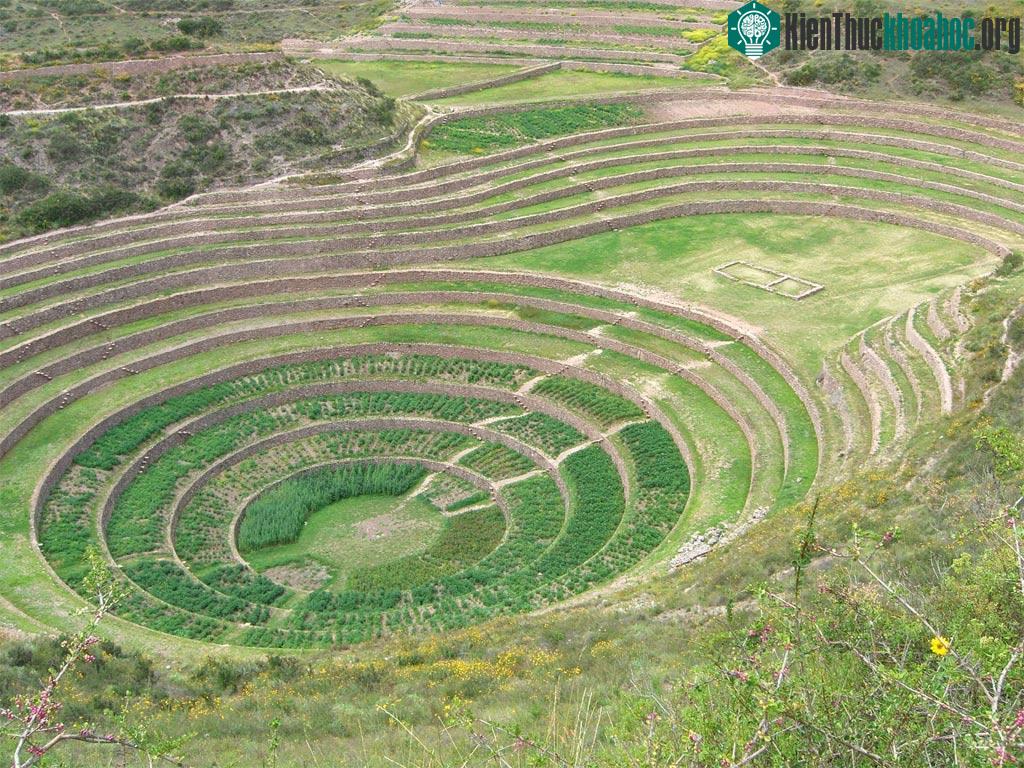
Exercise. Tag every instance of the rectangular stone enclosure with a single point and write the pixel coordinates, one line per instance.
(780, 283)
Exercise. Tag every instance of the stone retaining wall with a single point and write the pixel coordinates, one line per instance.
(355, 281)
(382, 250)
(877, 366)
(854, 371)
(570, 35)
(808, 123)
(934, 362)
(895, 351)
(444, 48)
(162, 237)
(658, 70)
(584, 18)
(479, 85)
(199, 234)
(319, 326)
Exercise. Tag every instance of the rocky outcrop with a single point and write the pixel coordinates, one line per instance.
(700, 545)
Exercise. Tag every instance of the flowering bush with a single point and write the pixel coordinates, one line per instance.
(33, 724)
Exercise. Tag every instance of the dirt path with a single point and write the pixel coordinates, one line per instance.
(322, 86)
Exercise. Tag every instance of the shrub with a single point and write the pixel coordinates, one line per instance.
(64, 208)
(202, 26)
(64, 147)
(14, 178)
(197, 129)
(1010, 264)
(174, 43)
(177, 180)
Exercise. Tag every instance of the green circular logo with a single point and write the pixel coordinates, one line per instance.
(754, 29)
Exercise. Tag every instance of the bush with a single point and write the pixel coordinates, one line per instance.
(835, 70)
(177, 180)
(61, 209)
(14, 178)
(63, 147)
(197, 129)
(202, 26)
(65, 209)
(174, 43)
(1010, 264)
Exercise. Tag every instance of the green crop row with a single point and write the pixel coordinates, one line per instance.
(497, 462)
(550, 435)
(484, 134)
(166, 581)
(239, 581)
(134, 431)
(602, 406)
(444, 407)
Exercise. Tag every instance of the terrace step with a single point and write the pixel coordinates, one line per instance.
(934, 361)
(867, 393)
(874, 363)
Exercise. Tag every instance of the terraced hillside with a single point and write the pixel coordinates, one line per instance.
(557, 357)
(661, 39)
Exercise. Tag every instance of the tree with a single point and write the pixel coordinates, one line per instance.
(32, 723)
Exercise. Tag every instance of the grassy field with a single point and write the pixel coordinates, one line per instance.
(562, 84)
(677, 258)
(355, 533)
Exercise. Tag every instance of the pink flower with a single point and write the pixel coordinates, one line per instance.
(1002, 757)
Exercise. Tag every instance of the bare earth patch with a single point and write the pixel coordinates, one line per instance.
(304, 577)
(381, 526)
(682, 109)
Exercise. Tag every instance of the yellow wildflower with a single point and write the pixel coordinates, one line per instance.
(940, 645)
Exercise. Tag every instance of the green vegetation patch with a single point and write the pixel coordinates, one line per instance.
(463, 540)
(479, 135)
(278, 516)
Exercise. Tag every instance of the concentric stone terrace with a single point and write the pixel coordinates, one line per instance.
(170, 380)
